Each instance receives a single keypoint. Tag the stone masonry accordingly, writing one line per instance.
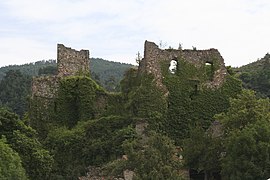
(153, 56)
(69, 63)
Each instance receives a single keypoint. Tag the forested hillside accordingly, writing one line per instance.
(256, 76)
(15, 80)
(107, 73)
(197, 131)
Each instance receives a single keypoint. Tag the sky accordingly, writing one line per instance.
(117, 29)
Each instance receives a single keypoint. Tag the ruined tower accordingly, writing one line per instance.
(45, 88)
(154, 57)
(70, 62)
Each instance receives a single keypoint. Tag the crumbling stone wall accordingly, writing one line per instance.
(153, 58)
(45, 86)
(69, 63)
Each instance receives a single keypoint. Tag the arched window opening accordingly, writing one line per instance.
(173, 66)
(209, 70)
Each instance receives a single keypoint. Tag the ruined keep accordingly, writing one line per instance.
(155, 96)
(197, 87)
(154, 57)
(69, 63)
(45, 89)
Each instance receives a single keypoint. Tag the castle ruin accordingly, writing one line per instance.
(70, 62)
(154, 57)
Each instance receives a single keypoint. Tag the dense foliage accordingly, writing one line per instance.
(242, 151)
(92, 142)
(76, 100)
(11, 165)
(256, 76)
(247, 138)
(107, 73)
(30, 69)
(36, 161)
(157, 158)
(15, 80)
(87, 126)
(14, 91)
(188, 98)
(202, 152)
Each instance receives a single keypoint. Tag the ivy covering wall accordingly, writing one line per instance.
(190, 102)
(85, 125)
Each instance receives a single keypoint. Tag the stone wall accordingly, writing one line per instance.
(45, 86)
(71, 62)
(153, 58)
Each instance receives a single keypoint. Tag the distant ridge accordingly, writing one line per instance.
(107, 73)
(256, 76)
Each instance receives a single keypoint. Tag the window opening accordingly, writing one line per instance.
(173, 66)
(209, 69)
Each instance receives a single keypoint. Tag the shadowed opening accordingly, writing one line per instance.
(173, 66)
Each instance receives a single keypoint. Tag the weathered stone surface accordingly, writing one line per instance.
(216, 129)
(70, 62)
(128, 175)
(45, 86)
(153, 57)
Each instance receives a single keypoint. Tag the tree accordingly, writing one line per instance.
(202, 152)
(248, 153)
(246, 138)
(256, 76)
(21, 138)
(138, 58)
(154, 159)
(11, 165)
(110, 84)
(14, 89)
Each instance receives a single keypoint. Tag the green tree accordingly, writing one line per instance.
(14, 89)
(202, 152)
(35, 159)
(110, 84)
(246, 138)
(248, 153)
(156, 158)
(256, 76)
(10, 163)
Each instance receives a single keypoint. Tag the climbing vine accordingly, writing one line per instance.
(189, 102)
(75, 100)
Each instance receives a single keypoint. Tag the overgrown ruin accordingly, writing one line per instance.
(154, 57)
(45, 88)
(69, 63)
(172, 91)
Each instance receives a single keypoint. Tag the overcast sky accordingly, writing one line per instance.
(116, 29)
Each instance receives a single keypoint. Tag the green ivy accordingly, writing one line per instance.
(92, 142)
(189, 102)
(75, 100)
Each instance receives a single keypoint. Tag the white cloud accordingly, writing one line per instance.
(21, 51)
(238, 28)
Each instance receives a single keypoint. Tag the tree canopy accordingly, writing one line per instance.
(11, 165)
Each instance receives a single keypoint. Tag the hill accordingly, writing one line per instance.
(15, 80)
(256, 76)
(106, 73)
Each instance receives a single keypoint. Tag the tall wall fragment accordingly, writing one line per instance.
(69, 63)
(154, 57)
